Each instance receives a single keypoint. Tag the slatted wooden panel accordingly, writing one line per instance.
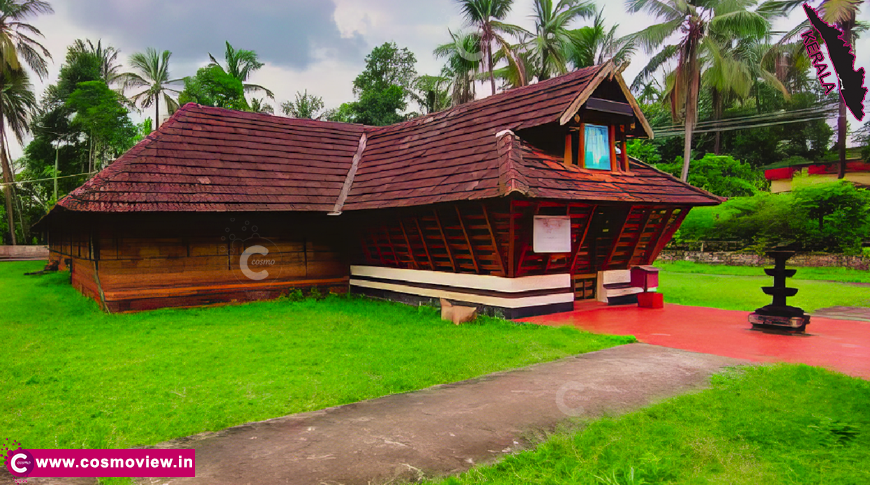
(622, 246)
(462, 238)
(497, 239)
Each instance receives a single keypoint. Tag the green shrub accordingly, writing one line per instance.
(835, 216)
(722, 175)
(823, 216)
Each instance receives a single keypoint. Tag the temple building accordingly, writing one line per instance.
(518, 204)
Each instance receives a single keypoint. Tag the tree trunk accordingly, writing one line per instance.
(717, 115)
(841, 139)
(156, 112)
(8, 178)
(491, 66)
(25, 229)
(691, 111)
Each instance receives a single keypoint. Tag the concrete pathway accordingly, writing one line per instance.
(444, 429)
(858, 314)
(841, 345)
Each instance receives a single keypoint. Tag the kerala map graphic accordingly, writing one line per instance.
(852, 88)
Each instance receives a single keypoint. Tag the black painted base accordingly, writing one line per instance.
(501, 312)
(623, 300)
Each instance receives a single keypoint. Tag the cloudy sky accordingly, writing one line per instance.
(318, 45)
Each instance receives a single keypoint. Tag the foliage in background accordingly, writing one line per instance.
(759, 146)
(553, 45)
(151, 72)
(595, 44)
(462, 60)
(343, 114)
(722, 175)
(305, 106)
(19, 49)
(835, 216)
(212, 86)
(240, 64)
(862, 137)
(486, 17)
(100, 113)
(830, 216)
(383, 88)
(81, 124)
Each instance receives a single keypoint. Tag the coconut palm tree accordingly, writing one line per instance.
(732, 67)
(463, 59)
(259, 105)
(151, 71)
(431, 93)
(306, 106)
(692, 21)
(552, 42)
(487, 17)
(17, 41)
(240, 64)
(17, 104)
(108, 57)
(596, 44)
(18, 48)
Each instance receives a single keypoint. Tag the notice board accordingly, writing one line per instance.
(552, 234)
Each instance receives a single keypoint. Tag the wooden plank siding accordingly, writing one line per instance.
(154, 261)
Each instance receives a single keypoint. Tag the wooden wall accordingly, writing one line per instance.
(136, 261)
(495, 237)
(133, 262)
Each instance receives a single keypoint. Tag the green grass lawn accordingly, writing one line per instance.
(842, 275)
(783, 424)
(734, 287)
(75, 377)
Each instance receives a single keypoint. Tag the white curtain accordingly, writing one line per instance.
(597, 141)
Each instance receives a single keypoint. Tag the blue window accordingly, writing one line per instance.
(597, 140)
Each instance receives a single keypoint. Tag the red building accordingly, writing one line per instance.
(516, 203)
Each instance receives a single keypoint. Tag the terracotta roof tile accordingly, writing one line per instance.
(211, 159)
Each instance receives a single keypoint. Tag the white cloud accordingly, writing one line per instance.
(329, 63)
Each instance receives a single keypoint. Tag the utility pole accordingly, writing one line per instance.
(56, 157)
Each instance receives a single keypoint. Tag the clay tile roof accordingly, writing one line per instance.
(206, 159)
(212, 159)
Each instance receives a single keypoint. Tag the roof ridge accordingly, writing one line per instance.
(351, 173)
(489, 99)
(268, 116)
(510, 179)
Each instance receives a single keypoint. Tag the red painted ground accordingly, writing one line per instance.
(841, 345)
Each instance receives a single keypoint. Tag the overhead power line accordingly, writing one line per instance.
(761, 117)
(19, 182)
(754, 121)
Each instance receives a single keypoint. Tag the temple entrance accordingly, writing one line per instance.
(585, 286)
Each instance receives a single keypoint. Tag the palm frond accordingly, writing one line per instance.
(668, 53)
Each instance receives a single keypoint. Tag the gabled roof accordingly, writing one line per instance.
(215, 160)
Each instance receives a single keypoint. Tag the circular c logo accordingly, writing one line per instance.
(20, 463)
(246, 256)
